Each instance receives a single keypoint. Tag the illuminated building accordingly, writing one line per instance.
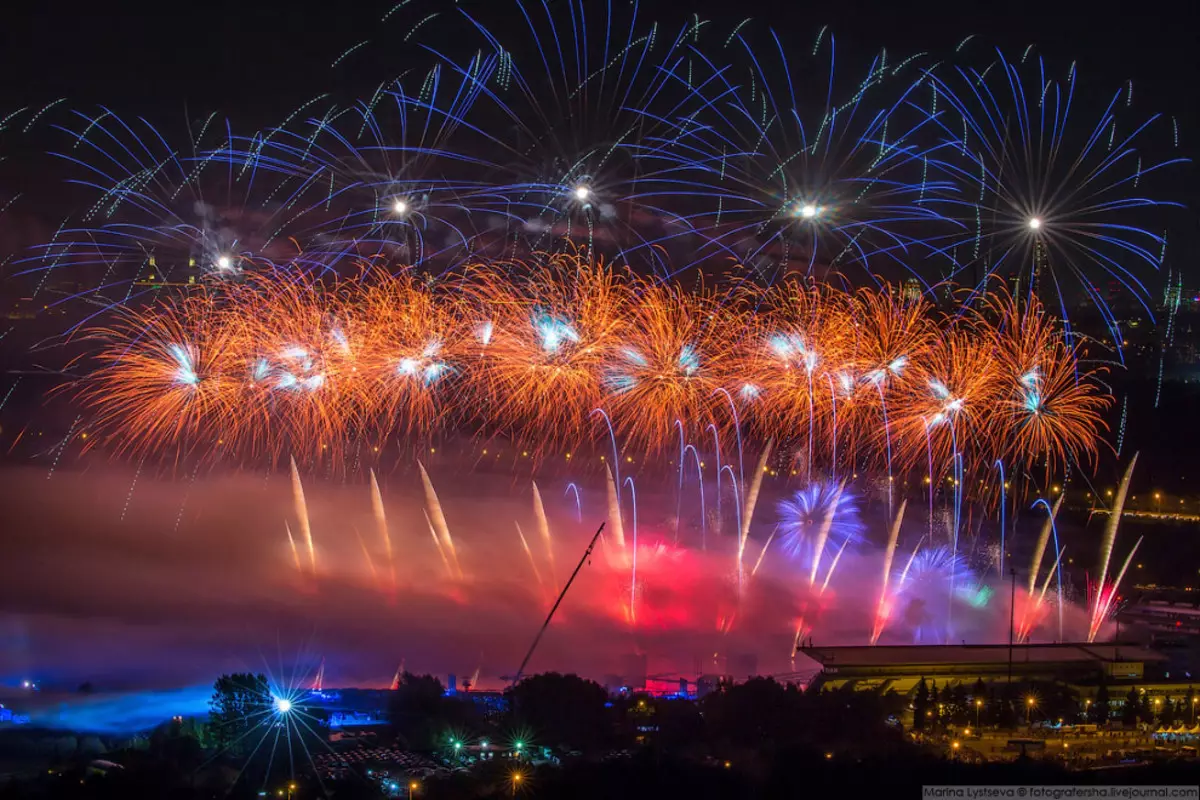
(901, 668)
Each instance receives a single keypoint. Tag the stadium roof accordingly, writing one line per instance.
(967, 655)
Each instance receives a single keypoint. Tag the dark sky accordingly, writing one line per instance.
(266, 55)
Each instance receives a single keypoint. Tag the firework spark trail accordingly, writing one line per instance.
(532, 561)
(301, 509)
(1104, 599)
(823, 534)
(883, 611)
(1114, 522)
(1043, 537)
(633, 565)
(438, 544)
(573, 490)
(762, 553)
(381, 526)
(1003, 489)
(367, 556)
(700, 487)
(751, 502)
(614, 510)
(292, 544)
(1031, 614)
(833, 565)
(543, 524)
(908, 564)
(62, 447)
(187, 493)
(132, 485)
(437, 521)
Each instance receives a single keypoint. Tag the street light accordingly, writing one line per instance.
(516, 781)
(978, 706)
(412, 788)
(1030, 702)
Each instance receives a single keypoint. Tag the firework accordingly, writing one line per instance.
(1048, 406)
(678, 354)
(273, 366)
(1048, 201)
(544, 345)
(803, 518)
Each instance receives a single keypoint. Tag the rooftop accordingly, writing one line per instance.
(932, 655)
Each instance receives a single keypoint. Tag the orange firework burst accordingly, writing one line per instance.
(281, 365)
(798, 367)
(544, 345)
(413, 345)
(1049, 410)
(949, 404)
(679, 354)
(163, 377)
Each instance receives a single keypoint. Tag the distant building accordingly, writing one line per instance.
(910, 291)
(633, 670)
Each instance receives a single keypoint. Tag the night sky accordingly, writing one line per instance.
(254, 62)
(268, 55)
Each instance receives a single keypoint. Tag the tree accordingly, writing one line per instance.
(920, 706)
(561, 709)
(422, 715)
(239, 703)
(1129, 711)
(1145, 711)
(1100, 710)
(959, 704)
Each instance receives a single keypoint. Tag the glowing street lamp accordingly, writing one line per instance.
(516, 781)
(978, 706)
(1030, 702)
